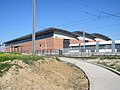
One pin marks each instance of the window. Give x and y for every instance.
(40, 45)
(86, 41)
(46, 35)
(117, 46)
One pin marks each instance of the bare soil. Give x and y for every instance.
(43, 75)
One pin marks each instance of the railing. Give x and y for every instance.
(68, 52)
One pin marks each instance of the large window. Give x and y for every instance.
(107, 46)
(46, 35)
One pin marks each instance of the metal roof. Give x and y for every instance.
(80, 33)
(42, 32)
(101, 36)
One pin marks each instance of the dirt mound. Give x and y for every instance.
(43, 75)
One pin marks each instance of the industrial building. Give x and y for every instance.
(47, 39)
(52, 39)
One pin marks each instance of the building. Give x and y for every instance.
(84, 36)
(47, 39)
(51, 39)
(99, 37)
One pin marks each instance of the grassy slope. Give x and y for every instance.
(6, 58)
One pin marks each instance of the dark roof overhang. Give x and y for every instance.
(97, 35)
(43, 32)
(80, 34)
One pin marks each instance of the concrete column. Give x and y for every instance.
(113, 46)
(97, 46)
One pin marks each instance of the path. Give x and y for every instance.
(100, 78)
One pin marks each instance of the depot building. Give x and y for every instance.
(51, 39)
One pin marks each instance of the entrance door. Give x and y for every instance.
(66, 43)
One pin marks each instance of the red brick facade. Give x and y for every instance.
(43, 44)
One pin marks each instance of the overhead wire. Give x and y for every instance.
(74, 23)
(82, 22)
(68, 6)
(101, 12)
(97, 17)
(106, 26)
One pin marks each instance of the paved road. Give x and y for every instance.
(100, 78)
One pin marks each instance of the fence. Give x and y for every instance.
(73, 52)
(106, 48)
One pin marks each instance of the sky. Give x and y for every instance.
(92, 16)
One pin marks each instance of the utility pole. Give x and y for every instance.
(33, 25)
(83, 40)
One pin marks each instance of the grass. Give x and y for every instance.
(24, 58)
(112, 63)
(109, 57)
(4, 67)
(4, 57)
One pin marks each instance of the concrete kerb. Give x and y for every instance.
(80, 69)
(96, 82)
(108, 68)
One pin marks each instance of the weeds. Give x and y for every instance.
(4, 67)
(24, 58)
(109, 57)
(4, 57)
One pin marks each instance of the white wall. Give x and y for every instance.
(62, 36)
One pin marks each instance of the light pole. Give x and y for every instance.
(33, 25)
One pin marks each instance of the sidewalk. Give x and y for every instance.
(100, 78)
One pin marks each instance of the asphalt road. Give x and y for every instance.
(99, 77)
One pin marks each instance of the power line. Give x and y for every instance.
(98, 17)
(78, 23)
(86, 6)
(82, 21)
(103, 12)
(70, 23)
(107, 26)
(86, 12)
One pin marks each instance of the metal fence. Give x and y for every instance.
(72, 52)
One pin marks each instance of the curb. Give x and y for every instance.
(81, 70)
(108, 68)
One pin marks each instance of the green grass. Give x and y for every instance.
(5, 66)
(24, 58)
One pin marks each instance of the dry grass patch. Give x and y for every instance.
(43, 75)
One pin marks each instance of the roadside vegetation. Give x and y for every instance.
(7, 58)
(31, 72)
(112, 61)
